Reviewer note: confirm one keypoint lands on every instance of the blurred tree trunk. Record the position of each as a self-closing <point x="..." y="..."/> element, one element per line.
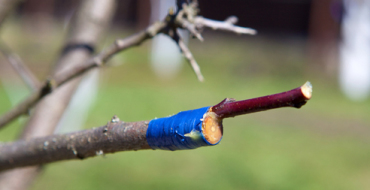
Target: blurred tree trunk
<point x="92" y="19"/>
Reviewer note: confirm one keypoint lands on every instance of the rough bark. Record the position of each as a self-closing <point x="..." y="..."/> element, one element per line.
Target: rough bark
<point x="113" y="137"/>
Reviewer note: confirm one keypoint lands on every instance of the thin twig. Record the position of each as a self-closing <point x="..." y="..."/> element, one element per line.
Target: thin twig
<point x="231" y="20"/>
<point x="16" y="62"/>
<point x="189" y="57"/>
<point x="191" y="28"/>
<point x="66" y="75"/>
<point x="201" y="22"/>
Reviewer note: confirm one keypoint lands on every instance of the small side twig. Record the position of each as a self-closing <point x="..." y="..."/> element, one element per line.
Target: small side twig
<point x="189" y="56"/>
<point x="20" y="67"/>
<point x="231" y="20"/>
<point x="223" y="25"/>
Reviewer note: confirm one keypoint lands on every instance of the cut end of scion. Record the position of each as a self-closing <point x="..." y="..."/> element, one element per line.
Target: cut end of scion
<point x="212" y="127"/>
<point x="306" y="90"/>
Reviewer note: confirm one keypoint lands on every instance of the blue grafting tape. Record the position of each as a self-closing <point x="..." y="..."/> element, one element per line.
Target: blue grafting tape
<point x="168" y="133"/>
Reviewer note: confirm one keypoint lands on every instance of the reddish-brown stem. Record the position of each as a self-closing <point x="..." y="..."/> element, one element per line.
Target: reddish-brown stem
<point x="292" y="98"/>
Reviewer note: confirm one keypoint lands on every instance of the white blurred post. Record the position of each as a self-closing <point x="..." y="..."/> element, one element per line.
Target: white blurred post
<point x="76" y="114"/>
<point x="354" y="71"/>
<point x="166" y="58"/>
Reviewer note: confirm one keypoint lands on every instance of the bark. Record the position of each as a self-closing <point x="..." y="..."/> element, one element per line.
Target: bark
<point x="113" y="137"/>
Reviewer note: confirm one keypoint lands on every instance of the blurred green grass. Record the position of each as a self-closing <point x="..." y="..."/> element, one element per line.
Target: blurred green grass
<point x="323" y="145"/>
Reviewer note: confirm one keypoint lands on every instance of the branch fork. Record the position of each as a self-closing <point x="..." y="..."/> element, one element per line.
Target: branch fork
<point x="185" y="17"/>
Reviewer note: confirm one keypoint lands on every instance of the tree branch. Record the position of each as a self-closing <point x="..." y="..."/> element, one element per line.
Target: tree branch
<point x="168" y="26"/>
<point x="121" y="136"/>
<point x="68" y="74"/>
<point x="113" y="137"/>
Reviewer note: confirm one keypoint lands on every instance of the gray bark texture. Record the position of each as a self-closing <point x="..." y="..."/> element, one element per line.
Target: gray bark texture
<point x="113" y="137"/>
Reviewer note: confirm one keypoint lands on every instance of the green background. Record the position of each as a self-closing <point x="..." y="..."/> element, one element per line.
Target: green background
<point x="323" y="145"/>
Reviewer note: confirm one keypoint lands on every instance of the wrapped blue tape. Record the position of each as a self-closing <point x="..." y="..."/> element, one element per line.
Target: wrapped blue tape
<point x="169" y="133"/>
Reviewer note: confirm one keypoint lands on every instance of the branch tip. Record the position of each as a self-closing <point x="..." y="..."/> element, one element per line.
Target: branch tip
<point x="231" y="20"/>
<point x="306" y="89"/>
